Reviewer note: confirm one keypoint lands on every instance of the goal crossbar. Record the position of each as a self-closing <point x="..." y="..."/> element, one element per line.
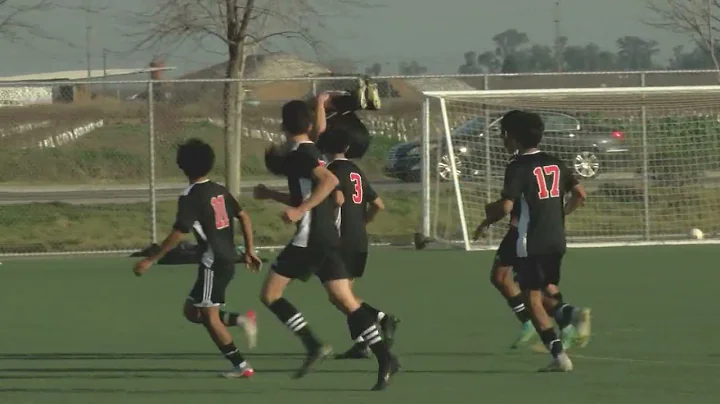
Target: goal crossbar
<point x="614" y="91"/>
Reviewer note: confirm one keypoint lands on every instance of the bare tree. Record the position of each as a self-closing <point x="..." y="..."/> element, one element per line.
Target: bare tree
<point x="242" y="26"/>
<point x="698" y="19"/>
<point x="15" y="22"/>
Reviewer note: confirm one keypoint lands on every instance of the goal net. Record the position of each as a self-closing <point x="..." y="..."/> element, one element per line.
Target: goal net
<point x="649" y="158"/>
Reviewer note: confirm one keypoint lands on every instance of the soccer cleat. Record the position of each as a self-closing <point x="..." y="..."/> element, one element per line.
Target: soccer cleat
<point x="372" y="96"/>
<point x="388" y="327"/>
<point x="527" y="332"/>
<point x="385" y="373"/>
<point x="561" y="363"/>
<point x="581" y="322"/>
<point x="249" y="324"/>
<point x="312" y="358"/>
<point x="361" y="94"/>
<point x="240" y="372"/>
<point x="357" y="351"/>
<point x="568" y="335"/>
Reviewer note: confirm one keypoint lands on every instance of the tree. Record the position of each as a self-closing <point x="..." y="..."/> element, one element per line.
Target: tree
<point x="412" y="68"/>
<point x="241" y="26"/>
<point x="636" y="53"/>
<point x="489" y="62"/>
<point x="698" y="19"/>
<point x="509" y="41"/>
<point x="471" y="64"/>
<point x="14" y="21"/>
<point x="374" y="70"/>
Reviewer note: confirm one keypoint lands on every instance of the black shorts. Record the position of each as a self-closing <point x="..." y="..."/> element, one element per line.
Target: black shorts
<point x="302" y="262"/>
<point x="538" y="271"/>
<point x="210" y="286"/>
<point x="355" y="262"/>
<point x="506" y="254"/>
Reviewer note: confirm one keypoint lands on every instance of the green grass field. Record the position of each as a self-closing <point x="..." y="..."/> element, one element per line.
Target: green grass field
<point x="85" y="330"/>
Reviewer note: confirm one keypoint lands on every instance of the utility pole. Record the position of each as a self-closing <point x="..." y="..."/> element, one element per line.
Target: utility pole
<point x="88" y="35"/>
<point x="558" y="38"/>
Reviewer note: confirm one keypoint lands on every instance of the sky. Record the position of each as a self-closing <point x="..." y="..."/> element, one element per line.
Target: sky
<point x="435" y="33"/>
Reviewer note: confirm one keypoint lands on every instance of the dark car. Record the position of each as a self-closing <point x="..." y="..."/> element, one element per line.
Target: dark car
<point x="585" y="147"/>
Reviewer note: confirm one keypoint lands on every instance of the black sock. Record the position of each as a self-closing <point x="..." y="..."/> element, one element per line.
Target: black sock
<point x="518" y="307"/>
<point x="294" y="320"/>
<point x="563" y="315"/>
<point x="551" y="341"/>
<point x="375" y="313"/>
<point x="228" y="318"/>
<point x="232" y="354"/>
<point x="362" y="324"/>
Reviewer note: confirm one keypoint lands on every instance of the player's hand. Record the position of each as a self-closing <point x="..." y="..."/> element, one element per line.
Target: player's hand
<point x="142" y="266"/>
<point x="253" y="262"/>
<point x="481" y="231"/>
<point x="323" y="98"/>
<point x="292" y="215"/>
<point x="261" y="192"/>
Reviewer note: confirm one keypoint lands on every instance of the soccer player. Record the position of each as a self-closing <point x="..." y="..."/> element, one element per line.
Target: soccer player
<point x="537" y="182"/>
<point x="358" y="204"/>
<point x="314" y="248"/>
<point x="207" y="209"/>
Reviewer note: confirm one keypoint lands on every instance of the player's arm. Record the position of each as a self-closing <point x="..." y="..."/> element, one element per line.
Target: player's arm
<point x="326" y="181"/>
<point x="252" y="261"/>
<point x="496" y="211"/>
<point x="184" y="221"/>
<point x="375" y="205"/>
<point x="262" y="192"/>
<point x="339" y="197"/>
<point x="320" y="116"/>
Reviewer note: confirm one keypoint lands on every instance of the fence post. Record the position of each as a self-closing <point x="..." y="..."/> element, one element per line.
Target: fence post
<point x="488" y="166"/>
<point x="646" y="174"/>
<point x="425" y="167"/>
<point x="151" y="150"/>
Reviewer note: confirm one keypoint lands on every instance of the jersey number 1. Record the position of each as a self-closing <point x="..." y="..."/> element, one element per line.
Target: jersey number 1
<point x="221" y="216"/>
<point x="540" y="173"/>
<point x="357" y="196"/>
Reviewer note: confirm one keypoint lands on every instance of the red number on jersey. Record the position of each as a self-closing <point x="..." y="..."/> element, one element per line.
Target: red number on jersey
<point x="221" y="216"/>
<point x="540" y="173"/>
<point x="357" y="183"/>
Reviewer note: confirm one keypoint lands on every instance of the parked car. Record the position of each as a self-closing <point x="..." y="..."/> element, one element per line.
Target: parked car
<point x="585" y="147"/>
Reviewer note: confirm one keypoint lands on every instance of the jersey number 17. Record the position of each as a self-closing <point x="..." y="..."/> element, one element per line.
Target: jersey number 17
<point x="540" y="173"/>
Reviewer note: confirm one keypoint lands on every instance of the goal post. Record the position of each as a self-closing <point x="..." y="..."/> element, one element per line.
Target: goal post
<point x="648" y="156"/>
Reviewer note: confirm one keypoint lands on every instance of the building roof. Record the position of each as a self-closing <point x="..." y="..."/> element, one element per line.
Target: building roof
<point x="274" y="66"/>
<point x="76" y="75"/>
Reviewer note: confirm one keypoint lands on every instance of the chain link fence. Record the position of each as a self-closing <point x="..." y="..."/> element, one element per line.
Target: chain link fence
<point x="91" y="166"/>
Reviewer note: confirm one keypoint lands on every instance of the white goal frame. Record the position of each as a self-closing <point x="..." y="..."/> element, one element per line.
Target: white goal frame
<point x="441" y="97"/>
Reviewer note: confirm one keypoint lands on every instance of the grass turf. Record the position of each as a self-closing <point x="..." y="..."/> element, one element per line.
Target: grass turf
<point x="85" y="330"/>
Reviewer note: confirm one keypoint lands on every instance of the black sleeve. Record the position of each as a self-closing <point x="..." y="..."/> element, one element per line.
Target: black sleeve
<point x="369" y="191"/>
<point x="335" y="169"/>
<point x="234" y="205"/>
<point x="569" y="181"/>
<point x="305" y="163"/>
<point x="513" y="184"/>
<point x="186" y="215"/>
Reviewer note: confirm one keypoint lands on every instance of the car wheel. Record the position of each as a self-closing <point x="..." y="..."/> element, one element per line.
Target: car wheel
<point x="586" y="164"/>
<point x="444" y="168"/>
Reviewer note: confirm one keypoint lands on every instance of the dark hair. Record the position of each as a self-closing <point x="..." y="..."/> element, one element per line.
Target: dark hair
<point x="508" y="119"/>
<point x="195" y="158"/>
<point x="275" y="159"/>
<point x="296" y="117"/>
<point x="334" y="141"/>
<point x="527" y="130"/>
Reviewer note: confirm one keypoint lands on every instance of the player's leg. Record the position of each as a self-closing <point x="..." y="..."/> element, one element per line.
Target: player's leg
<point x="361" y="323"/>
<point x="203" y="307"/>
<point x="573" y="321"/>
<point x="355" y="263"/>
<point x="291" y="264"/>
<point x="532" y="283"/>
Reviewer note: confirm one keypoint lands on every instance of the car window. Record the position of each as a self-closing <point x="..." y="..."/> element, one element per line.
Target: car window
<point x="473" y="126"/>
<point x="559" y="122"/>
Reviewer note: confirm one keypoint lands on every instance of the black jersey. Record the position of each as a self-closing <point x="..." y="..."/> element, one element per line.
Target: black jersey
<point x="317" y="227"/>
<point x="538" y="182"/>
<point x="207" y="209"/>
<point x="352" y="215"/>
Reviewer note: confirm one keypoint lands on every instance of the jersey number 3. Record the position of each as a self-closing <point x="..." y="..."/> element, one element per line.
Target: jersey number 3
<point x="357" y="196"/>
<point x="540" y="173"/>
<point x="221" y="216"/>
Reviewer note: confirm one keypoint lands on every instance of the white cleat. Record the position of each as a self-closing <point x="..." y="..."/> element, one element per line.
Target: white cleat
<point x="248" y="322"/>
<point x="560" y="364"/>
<point x="581" y="322"/>
<point x="240" y="372"/>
